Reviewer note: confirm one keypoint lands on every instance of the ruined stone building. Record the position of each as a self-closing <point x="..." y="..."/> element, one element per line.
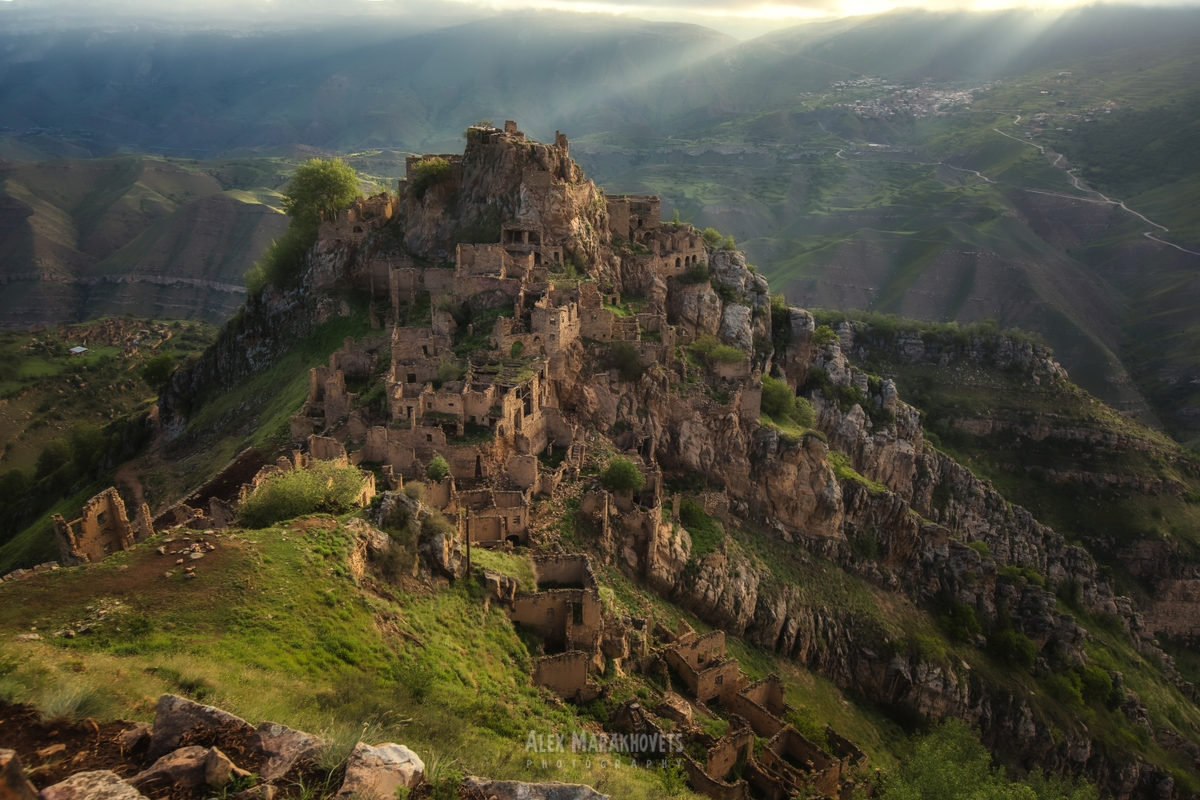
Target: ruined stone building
<point x="103" y="527"/>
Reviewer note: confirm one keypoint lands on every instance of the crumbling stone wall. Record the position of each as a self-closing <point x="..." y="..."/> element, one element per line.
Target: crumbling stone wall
<point x="103" y="527"/>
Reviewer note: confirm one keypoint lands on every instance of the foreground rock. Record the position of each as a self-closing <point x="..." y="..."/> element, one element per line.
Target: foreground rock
<point x="377" y="772"/>
<point x="97" y="785"/>
<point x="184" y="767"/>
<point x="280" y="748"/>
<point x="177" y="716"/>
<point x="13" y="783"/>
<point x="515" y="790"/>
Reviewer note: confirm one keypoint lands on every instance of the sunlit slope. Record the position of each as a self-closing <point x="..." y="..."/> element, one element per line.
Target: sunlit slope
<point x="82" y="238"/>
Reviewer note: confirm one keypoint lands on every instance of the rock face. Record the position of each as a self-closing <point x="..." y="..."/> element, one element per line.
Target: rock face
<point x="514" y="790"/>
<point x="375" y="773"/>
<point x="97" y="785"/>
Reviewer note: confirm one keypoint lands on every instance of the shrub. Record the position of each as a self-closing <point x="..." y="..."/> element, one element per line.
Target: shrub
<point x="438" y="469"/>
<point x="156" y="372"/>
<point x="951" y="763"/>
<point x="777" y="397"/>
<point x="728" y="244"/>
<point x="56" y="454"/>
<point x="415" y="490"/>
<point x="517" y="349"/>
<point x="803" y="412"/>
<point x="281" y="264"/>
<point x="623" y="357"/>
<point x="695" y="274"/>
<point x="427" y="174"/>
<point x="960" y="623"/>
<point x="712" y="237"/>
<point x="324" y="487"/>
<point x="709" y="348"/>
<point x="824" y="335"/>
<point x="1096" y="685"/>
<point x="981" y="548"/>
<point x="621" y="475"/>
<point x="1012" y="647"/>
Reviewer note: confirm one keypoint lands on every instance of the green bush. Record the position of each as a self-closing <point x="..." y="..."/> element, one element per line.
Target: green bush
<point x="695" y="274"/>
<point x="709" y="348"/>
<point x="778" y="401"/>
<point x="1012" y="647"/>
<point x="157" y="371"/>
<point x="824" y="335"/>
<point x="517" y="349"/>
<point x="621" y="475"/>
<point x="427" y="174"/>
<point x="951" y="763"/>
<point x="282" y="264"/>
<point x="1096" y="685"/>
<point x="712" y="237"/>
<point x="325" y="487"/>
<point x="438" y="469"/>
<point x="960" y="623"/>
<point x="623" y="357"/>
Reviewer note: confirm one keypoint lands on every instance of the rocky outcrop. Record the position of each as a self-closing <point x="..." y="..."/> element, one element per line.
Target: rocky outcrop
<point x="376" y="773"/>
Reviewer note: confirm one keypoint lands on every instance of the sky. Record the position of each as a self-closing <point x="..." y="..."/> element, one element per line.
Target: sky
<point x="744" y="19"/>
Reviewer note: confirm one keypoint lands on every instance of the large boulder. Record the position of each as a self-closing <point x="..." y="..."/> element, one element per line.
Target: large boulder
<point x="375" y="773"/>
<point x="13" y="783"/>
<point x="515" y="790"/>
<point x="279" y="748"/>
<point x="94" y="785"/>
<point x="177" y="716"/>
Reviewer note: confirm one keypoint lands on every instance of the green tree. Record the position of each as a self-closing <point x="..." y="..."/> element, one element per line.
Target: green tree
<point x="777" y="397"/>
<point x="438" y="469"/>
<point x="88" y="444"/>
<point x="55" y="455"/>
<point x="157" y="371"/>
<point x="623" y="357"/>
<point x="951" y="763"/>
<point x="319" y="186"/>
<point x="712" y="237"/>
<point x="621" y="475"/>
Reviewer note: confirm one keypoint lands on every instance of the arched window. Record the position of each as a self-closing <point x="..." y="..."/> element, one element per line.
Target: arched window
<point x="677" y="264"/>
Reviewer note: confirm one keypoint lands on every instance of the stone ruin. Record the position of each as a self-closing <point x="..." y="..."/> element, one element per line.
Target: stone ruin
<point x="103" y="528"/>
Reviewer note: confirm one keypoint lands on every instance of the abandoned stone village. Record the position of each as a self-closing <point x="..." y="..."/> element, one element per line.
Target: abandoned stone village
<point x="528" y="328"/>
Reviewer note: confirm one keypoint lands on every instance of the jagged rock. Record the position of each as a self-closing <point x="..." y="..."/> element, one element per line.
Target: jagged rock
<point x="93" y="785"/>
<point x="13" y="783"/>
<point x="279" y="748"/>
<point x="176" y="716"/>
<point x="377" y="772"/>
<point x="377" y="542"/>
<point x="515" y="790"/>
<point x="695" y="310"/>
<point x="131" y="738"/>
<point x="219" y="769"/>
<point x="187" y="766"/>
<point x="735" y="327"/>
